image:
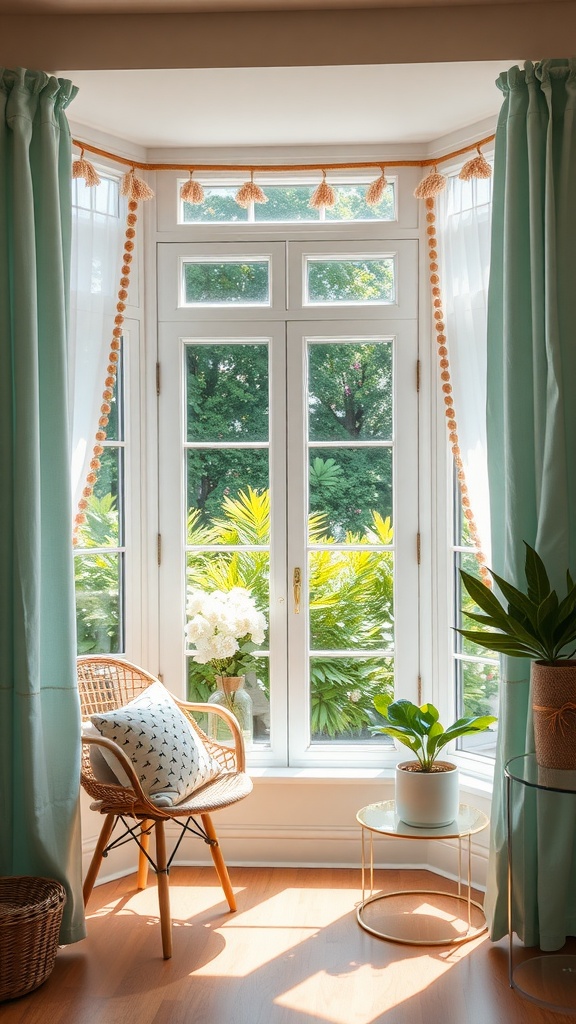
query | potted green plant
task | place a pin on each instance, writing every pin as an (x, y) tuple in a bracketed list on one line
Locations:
[(427, 790), (536, 624)]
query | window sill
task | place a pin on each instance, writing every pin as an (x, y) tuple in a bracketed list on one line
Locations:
[(476, 775)]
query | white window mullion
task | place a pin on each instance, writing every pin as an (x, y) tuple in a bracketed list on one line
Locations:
[(297, 494)]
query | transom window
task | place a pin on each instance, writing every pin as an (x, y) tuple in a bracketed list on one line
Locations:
[(289, 203), (236, 280)]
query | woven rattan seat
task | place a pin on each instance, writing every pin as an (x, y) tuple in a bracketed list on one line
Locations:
[(106, 684)]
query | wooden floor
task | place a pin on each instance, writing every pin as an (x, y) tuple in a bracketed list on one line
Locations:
[(293, 953)]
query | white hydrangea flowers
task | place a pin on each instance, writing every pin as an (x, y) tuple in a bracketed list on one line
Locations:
[(224, 628)]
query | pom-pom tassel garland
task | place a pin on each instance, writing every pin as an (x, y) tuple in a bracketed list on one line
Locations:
[(250, 192), (478, 167), (135, 188), (323, 196), (375, 190), (192, 191), (431, 185), (84, 169)]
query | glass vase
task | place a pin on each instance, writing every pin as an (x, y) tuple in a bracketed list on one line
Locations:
[(230, 694)]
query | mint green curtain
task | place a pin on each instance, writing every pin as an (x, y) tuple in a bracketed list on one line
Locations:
[(39, 708), (531, 416)]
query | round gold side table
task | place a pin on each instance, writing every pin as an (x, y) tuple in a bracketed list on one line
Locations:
[(407, 917)]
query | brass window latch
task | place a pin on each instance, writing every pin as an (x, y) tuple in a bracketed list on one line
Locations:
[(297, 588)]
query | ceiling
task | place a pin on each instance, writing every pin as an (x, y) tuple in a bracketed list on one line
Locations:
[(214, 6), (304, 106)]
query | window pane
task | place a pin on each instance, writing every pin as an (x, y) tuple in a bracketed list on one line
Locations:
[(109, 474), (102, 525), (480, 681), (98, 602), (257, 684), (468, 562), (226, 282), (350, 280), (351, 204), (287, 203), (210, 570), (342, 692), (99, 574), (231, 481), (227, 392), (104, 200), (350, 494), (350, 391), (219, 207), (351, 600), (477, 671)]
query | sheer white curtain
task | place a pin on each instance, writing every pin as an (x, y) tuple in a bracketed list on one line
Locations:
[(464, 214), (97, 243)]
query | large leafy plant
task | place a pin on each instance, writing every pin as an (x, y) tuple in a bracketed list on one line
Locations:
[(418, 728), (536, 624)]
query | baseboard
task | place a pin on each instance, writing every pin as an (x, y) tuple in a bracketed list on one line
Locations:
[(257, 846)]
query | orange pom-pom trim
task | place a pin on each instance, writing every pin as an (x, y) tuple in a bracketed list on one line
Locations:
[(324, 195), (375, 191), (431, 185), (84, 169), (192, 191), (478, 167), (135, 188), (250, 192)]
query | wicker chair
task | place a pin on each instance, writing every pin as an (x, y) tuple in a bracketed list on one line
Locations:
[(106, 684)]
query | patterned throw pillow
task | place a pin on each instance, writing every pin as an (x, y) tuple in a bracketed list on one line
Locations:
[(169, 758)]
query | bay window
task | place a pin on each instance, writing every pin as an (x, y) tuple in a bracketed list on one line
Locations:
[(295, 416)]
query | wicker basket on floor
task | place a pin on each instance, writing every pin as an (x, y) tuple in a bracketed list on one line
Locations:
[(30, 916)]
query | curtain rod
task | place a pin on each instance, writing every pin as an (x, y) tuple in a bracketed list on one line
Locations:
[(282, 167)]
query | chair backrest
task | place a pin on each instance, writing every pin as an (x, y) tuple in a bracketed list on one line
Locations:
[(106, 683)]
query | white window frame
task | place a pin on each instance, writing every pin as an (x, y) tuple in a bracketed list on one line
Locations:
[(175, 325), (404, 252), (405, 520), (172, 583), (172, 257), (405, 224)]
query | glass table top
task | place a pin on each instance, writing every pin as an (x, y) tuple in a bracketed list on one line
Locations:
[(382, 818), (526, 770)]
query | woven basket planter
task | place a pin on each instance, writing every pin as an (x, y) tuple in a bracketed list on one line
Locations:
[(30, 916), (554, 713)]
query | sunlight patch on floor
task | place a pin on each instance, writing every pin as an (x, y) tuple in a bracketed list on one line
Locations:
[(374, 990)]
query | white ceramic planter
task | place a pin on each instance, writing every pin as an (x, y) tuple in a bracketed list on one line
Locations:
[(427, 799)]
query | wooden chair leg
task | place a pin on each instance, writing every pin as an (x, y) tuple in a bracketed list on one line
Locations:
[(105, 833), (163, 890), (219, 863), (142, 878)]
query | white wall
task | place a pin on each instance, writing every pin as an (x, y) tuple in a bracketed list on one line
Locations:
[(308, 821)]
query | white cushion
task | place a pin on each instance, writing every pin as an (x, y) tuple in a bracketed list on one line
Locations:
[(169, 757), (105, 765)]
